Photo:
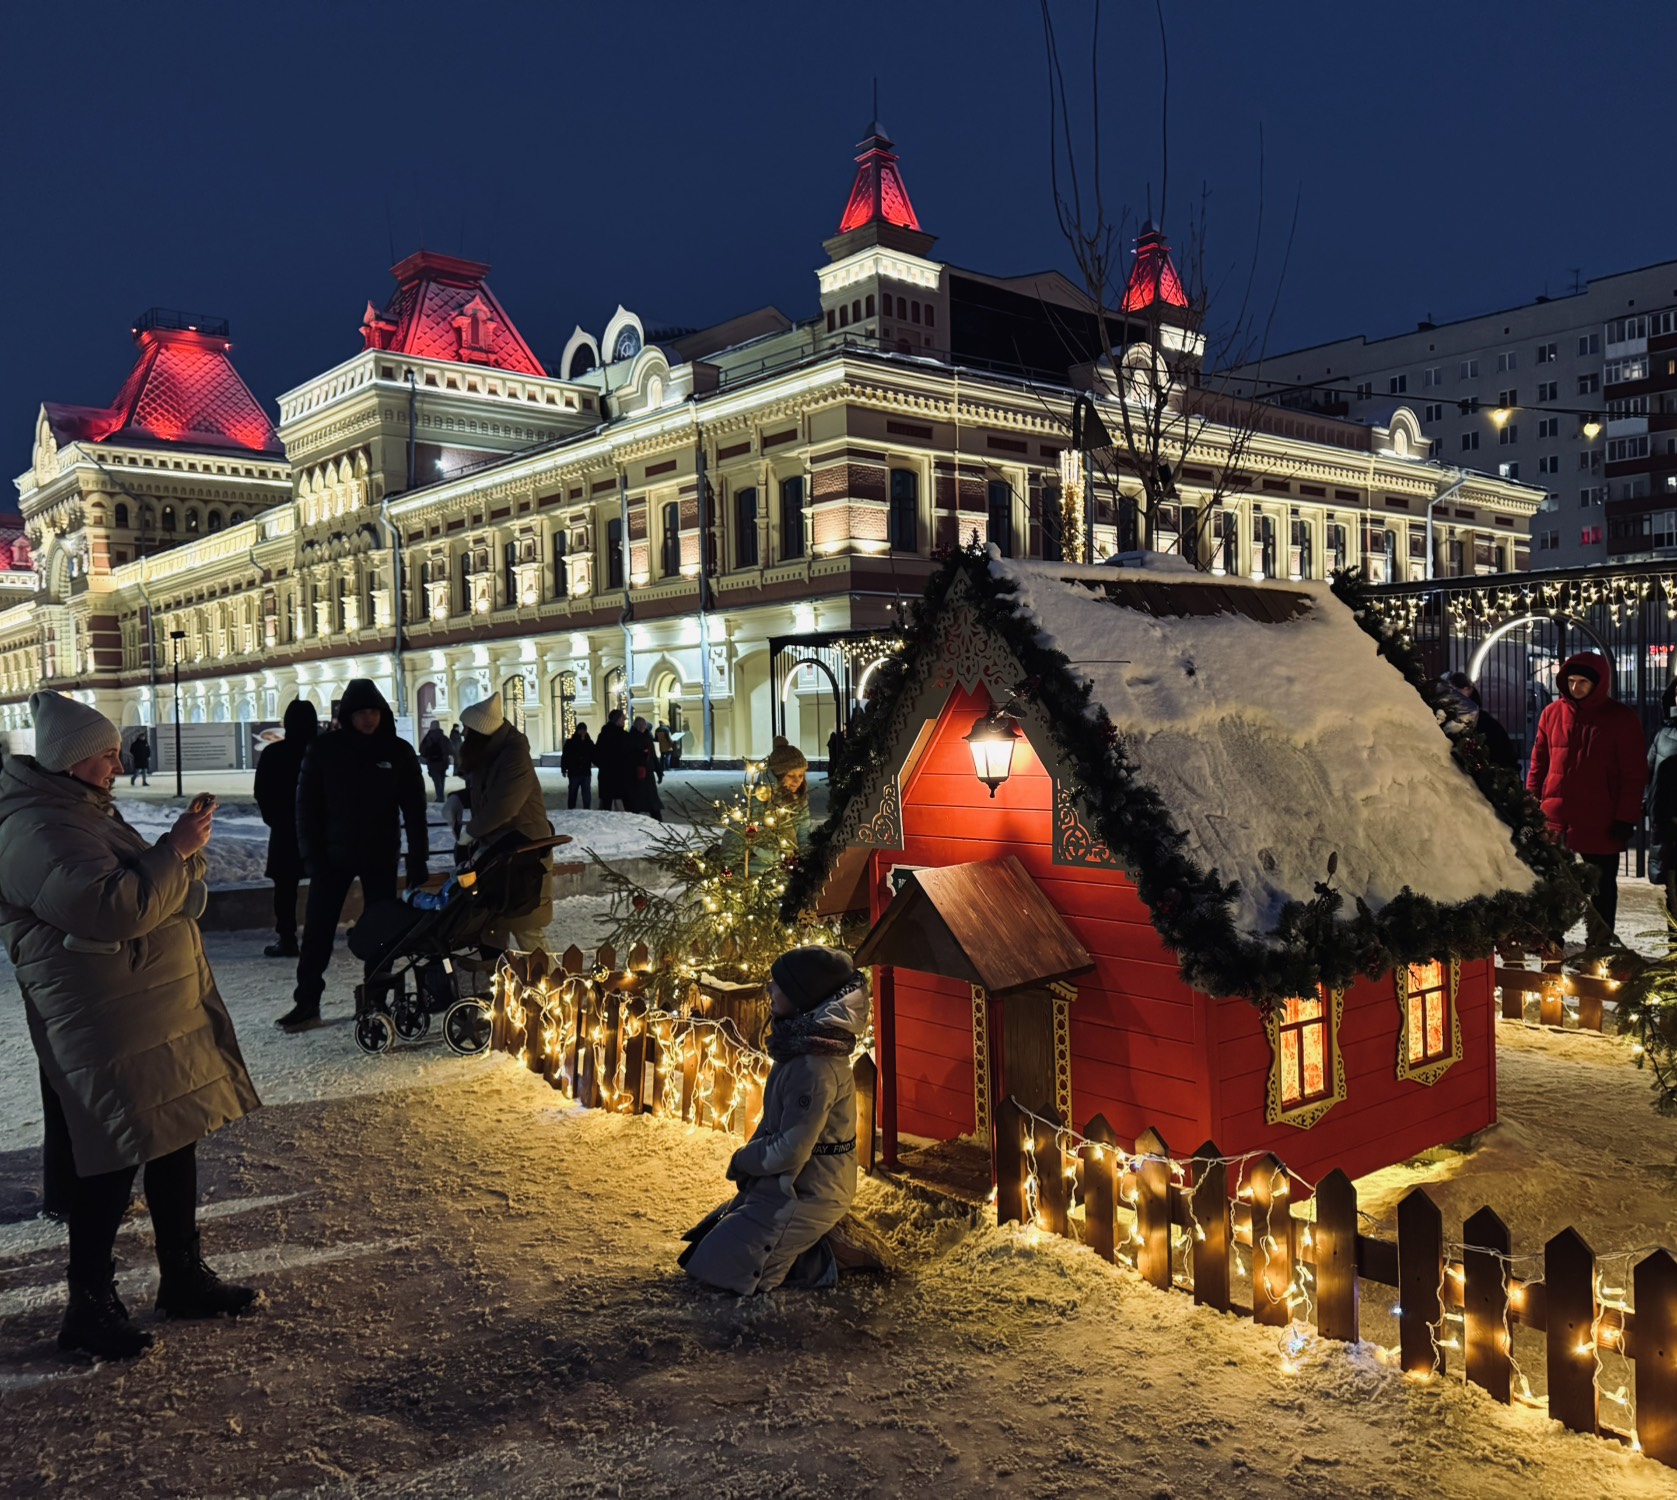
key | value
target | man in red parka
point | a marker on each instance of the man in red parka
(1588, 768)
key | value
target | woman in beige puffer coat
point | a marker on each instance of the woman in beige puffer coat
(506, 797)
(135, 1046)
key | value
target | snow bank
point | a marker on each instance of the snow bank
(1278, 745)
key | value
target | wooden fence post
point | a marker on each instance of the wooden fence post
(1420, 1270)
(1333, 1240)
(634, 1054)
(1485, 1332)
(1053, 1187)
(1010, 1163)
(1272, 1243)
(866, 1073)
(1655, 1352)
(1211, 1239)
(1570, 1312)
(1152, 1209)
(1100, 1188)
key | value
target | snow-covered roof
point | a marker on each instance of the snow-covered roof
(1275, 735)
(1262, 759)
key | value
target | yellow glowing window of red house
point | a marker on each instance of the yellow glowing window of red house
(1429, 1000)
(1303, 1037)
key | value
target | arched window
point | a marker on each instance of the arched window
(191, 519)
(168, 518)
(844, 317)
(236, 517)
(214, 520)
(121, 514)
(902, 308)
(868, 312)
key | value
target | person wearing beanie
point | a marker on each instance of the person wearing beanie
(277, 770)
(359, 785)
(1468, 712)
(796, 1176)
(505, 796)
(136, 1050)
(1588, 769)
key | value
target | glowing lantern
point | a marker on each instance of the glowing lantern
(991, 741)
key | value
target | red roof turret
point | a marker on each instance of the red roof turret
(1153, 277)
(878, 194)
(183, 389)
(443, 309)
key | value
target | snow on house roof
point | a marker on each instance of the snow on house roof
(1274, 733)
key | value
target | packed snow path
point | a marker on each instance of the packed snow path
(470, 1290)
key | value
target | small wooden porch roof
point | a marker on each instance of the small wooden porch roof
(987, 923)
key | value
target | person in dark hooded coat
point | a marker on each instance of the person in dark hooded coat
(1588, 769)
(797, 1174)
(277, 769)
(359, 785)
(611, 755)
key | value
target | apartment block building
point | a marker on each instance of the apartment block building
(1552, 394)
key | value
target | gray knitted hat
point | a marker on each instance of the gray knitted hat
(67, 731)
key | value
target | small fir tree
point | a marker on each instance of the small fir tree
(713, 905)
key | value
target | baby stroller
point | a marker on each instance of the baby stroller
(423, 951)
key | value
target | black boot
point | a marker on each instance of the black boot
(299, 1018)
(286, 947)
(97, 1323)
(188, 1288)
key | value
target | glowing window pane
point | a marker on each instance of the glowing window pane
(1428, 1012)
(1290, 1091)
(1417, 1028)
(1302, 1039)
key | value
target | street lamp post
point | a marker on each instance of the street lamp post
(175, 639)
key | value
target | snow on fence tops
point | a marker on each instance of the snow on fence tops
(1275, 743)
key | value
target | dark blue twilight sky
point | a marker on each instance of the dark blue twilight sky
(687, 159)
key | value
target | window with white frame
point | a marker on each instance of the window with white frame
(1588, 343)
(1589, 384)
(1548, 427)
(1549, 463)
(1468, 369)
(1508, 433)
(1664, 528)
(1627, 406)
(1624, 330)
(1665, 323)
(1470, 441)
(1548, 390)
(1432, 377)
(1365, 389)
(1593, 494)
(1508, 470)
(1509, 397)
(1629, 367)
(1434, 412)
(1621, 450)
(1399, 385)
(1546, 354)
(1506, 361)
(1590, 459)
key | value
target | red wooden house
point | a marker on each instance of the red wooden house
(1132, 922)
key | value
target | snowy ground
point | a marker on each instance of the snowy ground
(470, 1291)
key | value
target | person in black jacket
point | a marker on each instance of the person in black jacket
(576, 760)
(611, 755)
(139, 758)
(277, 768)
(359, 785)
(1471, 713)
(644, 771)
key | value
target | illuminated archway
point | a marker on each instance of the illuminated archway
(1477, 663)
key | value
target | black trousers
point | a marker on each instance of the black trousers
(439, 777)
(285, 905)
(327, 890)
(578, 788)
(1606, 899)
(98, 1202)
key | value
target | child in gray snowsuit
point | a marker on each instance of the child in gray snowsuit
(797, 1174)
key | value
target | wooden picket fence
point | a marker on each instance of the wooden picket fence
(589, 1027)
(1559, 990)
(1177, 1222)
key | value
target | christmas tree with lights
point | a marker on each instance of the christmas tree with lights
(712, 907)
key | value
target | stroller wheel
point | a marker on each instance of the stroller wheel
(412, 1022)
(466, 1026)
(375, 1032)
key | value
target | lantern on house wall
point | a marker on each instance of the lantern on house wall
(991, 740)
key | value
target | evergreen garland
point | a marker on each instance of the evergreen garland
(1315, 942)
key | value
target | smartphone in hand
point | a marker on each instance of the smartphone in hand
(203, 802)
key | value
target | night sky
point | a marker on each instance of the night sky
(257, 161)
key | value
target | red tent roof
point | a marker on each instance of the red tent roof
(183, 389)
(443, 309)
(878, 194)
(1153, 275)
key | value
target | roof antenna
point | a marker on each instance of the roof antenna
(389, 229)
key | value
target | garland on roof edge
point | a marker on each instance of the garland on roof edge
(1192, 908)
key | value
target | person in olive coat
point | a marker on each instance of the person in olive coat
(136, 1050)
(796, 1176)
(277, 770)
(359, 785)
